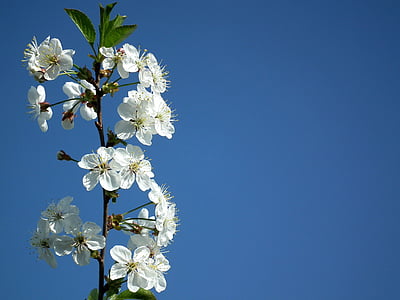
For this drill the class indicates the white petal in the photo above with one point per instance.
(90, 229)
(72, 90)
(43, 125)
(65, 62)
(88, 113)
(124, 129)
(160, 283)
(135, 151)
(72, 223)
(110, 180)
(48, 257)
(122, 72)
(107, 52)
(52, 72)
(90, 180)
(108, 63)
(144, 136)
(81, 256)
(143, 181)
(127, 178)
(132, 282)
(96, 242)
(63, 245)
(122, 156)
(141, 254)
(127, 111)
(55, 46)
(121, 254)
(106, 153)
(118, 270)
(89, 161)
(67, 124)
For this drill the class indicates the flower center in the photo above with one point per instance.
(131, 266)
(138, 123)
(134, 167)
(79, 240)
(44, 243)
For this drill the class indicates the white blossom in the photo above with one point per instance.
(136, 97)
(154, 76)
(43, 242)
(131, 166)
(166, 224)
(160, 266)
(81, 243)
(159, 194)
(62, 216)
(53, 59)
(137, 120)
(136, 266)
(30, 56)
(100, 170)
(83, 93)
(40, 109)
(158, 261)
(126, 59)
(162, 117)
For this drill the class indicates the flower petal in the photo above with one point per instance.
(124, 129)
(121, 254)
(96, 242)
(110, 180)
(118, 270)
(90, 180)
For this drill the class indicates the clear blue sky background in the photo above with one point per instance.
(284, 165)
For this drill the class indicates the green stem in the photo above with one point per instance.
(144, 219)
(63, 101)
(94, 50)
(128, 84)
(139, 207)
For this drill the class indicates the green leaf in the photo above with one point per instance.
(94, 294)
(118, 35)
(112, 32)
(141, 294)
(104, 20)
(83, 23)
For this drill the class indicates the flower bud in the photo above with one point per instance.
(61, 155)
(110, 88)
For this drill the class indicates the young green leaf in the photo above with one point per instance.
(83, 23)
(141, 294)
(118, 35)
(94, 295)
(104, 20)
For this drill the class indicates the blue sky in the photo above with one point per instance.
(284, 164)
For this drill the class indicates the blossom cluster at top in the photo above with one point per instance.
(144, 112)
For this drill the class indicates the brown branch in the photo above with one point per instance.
(106, 199)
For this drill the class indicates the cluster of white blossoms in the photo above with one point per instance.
(116, 168)
(142, 261)
(81, 239)
(144, 113)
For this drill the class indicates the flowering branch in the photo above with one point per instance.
(144, 113)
